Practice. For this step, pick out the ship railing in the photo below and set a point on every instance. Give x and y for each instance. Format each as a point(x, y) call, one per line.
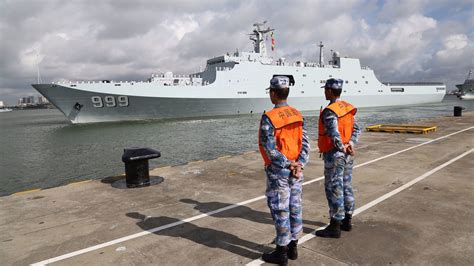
point(411, 83)
point(183, 80)
point(179, 80)
point(304, 64)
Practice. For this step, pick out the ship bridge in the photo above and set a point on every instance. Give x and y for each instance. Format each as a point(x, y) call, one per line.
point(258, 36)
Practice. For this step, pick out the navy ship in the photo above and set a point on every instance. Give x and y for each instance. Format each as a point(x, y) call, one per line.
point(466, 90)
point(232, 84)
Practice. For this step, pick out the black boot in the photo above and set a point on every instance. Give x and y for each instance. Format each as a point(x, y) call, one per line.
point(293, 250)
point(279, 256)
point(333, 230)
point(346, 224)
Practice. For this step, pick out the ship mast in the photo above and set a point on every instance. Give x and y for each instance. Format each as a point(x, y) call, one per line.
point(469, 75)
point(257, 36)
point(38, 68)
point(321, 56)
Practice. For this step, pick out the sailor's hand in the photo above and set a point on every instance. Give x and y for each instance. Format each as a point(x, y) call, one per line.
point(296, 170)
point(348, 149)
point(293, 165)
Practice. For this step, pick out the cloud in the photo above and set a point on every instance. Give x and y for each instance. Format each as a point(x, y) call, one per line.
point(31, 56)
point(78, 40)
point(399, 9)
point(404, 44)
point(179, 27)
point(455, 42)
point(455, 57)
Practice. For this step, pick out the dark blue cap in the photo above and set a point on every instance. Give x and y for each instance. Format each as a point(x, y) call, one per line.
point(335, 84)
point(279, 82)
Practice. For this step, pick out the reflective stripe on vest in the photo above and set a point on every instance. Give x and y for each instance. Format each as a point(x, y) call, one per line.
point(288, 124)
point(345, 123)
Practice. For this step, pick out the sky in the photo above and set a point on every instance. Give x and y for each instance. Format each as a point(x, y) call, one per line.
point(402, 40)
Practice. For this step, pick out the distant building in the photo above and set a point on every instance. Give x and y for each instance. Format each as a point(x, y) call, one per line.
point(42, 100)
point(26, 101)
point(2, 104)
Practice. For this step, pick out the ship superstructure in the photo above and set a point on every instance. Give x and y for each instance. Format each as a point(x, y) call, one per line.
point(231, 84)
point(466, 90)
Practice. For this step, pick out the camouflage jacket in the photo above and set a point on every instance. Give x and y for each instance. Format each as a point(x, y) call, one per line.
point(267, 137)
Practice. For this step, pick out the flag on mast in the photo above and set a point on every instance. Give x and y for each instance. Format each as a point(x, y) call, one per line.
point(273, 42)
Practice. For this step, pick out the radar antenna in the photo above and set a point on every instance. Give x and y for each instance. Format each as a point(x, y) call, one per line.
point(257, 36)
point(321, 56)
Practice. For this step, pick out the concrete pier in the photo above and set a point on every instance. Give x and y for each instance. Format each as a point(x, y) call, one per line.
point(414, 200)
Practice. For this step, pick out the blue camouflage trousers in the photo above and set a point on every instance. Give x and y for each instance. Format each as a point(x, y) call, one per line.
point(338, 183)
point(284, 200)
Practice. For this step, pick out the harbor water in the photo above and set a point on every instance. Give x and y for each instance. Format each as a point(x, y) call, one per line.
point(41, 149)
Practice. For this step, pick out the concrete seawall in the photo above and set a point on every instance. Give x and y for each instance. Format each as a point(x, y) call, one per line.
point(414, 200)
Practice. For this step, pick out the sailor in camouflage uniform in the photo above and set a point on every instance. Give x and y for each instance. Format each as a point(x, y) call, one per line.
point(284, 146)
point(338, 133)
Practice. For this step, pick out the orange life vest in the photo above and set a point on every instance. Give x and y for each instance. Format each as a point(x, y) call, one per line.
point(288, 124)
point(345, 121)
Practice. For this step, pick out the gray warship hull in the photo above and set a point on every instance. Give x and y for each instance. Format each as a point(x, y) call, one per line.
point(78, 107)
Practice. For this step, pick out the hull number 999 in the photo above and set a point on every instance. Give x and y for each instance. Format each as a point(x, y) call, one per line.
point(109, 101)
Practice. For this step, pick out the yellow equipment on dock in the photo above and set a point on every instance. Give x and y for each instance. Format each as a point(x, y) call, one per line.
point(402, 128)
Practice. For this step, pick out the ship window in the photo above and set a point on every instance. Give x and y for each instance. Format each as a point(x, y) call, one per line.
point(302, 91)
point(322, 81)
point(355, 81)
point(118, 84)
point(304, 75)
point(347, 81)
point(440, 89)
point(397, 89)
point(366, 82)
point(241, 92)
point(175, 81)
point(73, 85)
point(330, 76)
point(363, 77)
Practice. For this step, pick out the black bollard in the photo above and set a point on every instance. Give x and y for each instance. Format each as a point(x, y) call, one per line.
point(136, 166)
point(458, 110)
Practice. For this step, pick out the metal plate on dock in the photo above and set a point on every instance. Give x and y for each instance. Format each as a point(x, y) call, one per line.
point(402, 128)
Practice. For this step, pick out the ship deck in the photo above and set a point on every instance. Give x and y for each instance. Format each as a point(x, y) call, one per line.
point(413, 193)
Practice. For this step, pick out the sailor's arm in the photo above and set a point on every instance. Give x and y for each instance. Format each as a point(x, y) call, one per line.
point(355, 134)
point(305, 147)
point(267, 138)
